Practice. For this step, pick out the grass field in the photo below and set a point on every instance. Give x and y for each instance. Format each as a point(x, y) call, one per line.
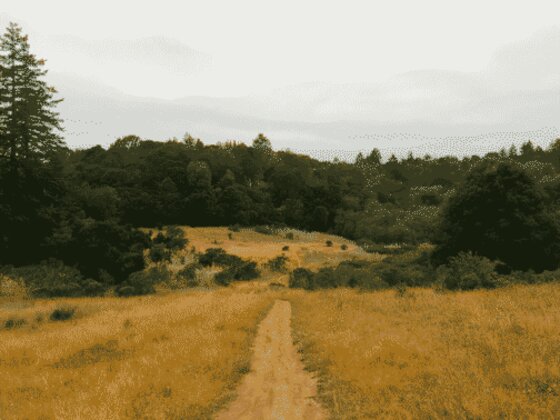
point(171, 356)
point(417, 354)
point(483, 354)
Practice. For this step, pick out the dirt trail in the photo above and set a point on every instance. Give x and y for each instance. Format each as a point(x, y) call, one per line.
point(277, 387)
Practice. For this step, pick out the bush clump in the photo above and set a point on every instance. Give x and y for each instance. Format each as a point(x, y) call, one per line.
point(54, 279)
point(14, 323)
point(63, 313)
point(277, 264)
point(301, 278)
point(143, 282)
point(467, 271)
point(235, 268)
point(189, 275)
point(396, 271)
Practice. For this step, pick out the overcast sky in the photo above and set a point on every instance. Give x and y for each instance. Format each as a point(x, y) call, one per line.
point(310, 74)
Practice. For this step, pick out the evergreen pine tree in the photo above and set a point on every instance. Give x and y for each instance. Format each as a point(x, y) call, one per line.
point(29, 124)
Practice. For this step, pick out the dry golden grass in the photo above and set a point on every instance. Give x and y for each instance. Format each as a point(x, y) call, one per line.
point(483, 354)
point(307, 249)
point(167, 356)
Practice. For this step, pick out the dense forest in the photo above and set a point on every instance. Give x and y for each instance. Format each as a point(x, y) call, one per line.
point(81, 209)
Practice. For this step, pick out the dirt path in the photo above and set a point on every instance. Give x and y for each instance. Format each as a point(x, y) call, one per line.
point(277, 387)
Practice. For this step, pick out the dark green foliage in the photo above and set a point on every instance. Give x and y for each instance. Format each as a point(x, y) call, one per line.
point(285, 248)
point(467, 271)
point(189, 274)
point(173, 238)
point(218, 256)
point(430, 199)
point(160, 253)
point(143, 282)
point(54, 279)
point(301, 278)
point(63, 313)
point(235, 268)
point(101, 245)
point(277, 264)
point(500, 213)
point(289, 236)
point(410, 270)
point(344, 247)
point(29, 124)
point(329, 243)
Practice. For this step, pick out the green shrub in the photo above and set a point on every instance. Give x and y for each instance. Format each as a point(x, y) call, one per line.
point(329, 243)
point(63, 313)
point(289, 236)
point(143, 282)
point(218, 256)
point(172, 238)
point(301, 278)
point(344, 247)
point(246, 271)
point(189, 275)
point(467, 271)
point(285, 248)
point(159, 253)
point(54, 279)
point(277, 264)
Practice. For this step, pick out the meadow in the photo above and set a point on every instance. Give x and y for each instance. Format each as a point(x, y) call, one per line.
point(425, 354)
point(175, 355)
point(405, 353)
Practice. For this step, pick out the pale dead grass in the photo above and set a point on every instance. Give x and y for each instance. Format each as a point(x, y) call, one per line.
point(483, 354)
point(178, 355)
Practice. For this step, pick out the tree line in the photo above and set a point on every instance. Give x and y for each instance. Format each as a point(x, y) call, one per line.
point(84, 207)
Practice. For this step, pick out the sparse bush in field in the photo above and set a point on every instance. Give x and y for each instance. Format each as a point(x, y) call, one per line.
point(143, 282)
point(329, 243)
point(301, 278)
point(230, 236)
point(235, 228)
point(14, 323)
point(344, 247)
point(285, 248)
point(467, 271)
point(277, 264)
point(54, 279)
point(62, 313)
point(289, 236)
